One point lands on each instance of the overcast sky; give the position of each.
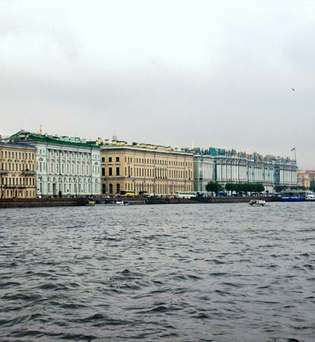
(174, 72)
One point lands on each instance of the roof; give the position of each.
(143, 149)
(52, 139)
(17, 145)
(233, 154)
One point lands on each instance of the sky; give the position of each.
(225, 73)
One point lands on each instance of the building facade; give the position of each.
(17, 171)
(204, 171)
(306, 179)
(137, 168)
(65, 166)
(225, 167)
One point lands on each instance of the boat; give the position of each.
(120, 203)
(292, 197)
(310, 197)
(91, 203)
(257, 203)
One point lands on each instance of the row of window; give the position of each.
(17, 181)
(69, 158)
(149, 188)
(17, 155)
(244, 174)
(149, 172)
(16, 193)
(110, 159)
(71, 180)
(148, 161)
(16, 166)
(78, 169)
(253, 166)
(70, 154)
(56, 189)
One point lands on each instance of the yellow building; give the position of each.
(138, 168)
(306, 178)
(17, 171)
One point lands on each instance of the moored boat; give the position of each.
(257, 203)
(121, 203)
(91, 203)
(292, 197)
(310, 197)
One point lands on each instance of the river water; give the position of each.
(200, 272)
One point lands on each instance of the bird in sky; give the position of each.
(293, 89)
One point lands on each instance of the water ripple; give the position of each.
(168, 272)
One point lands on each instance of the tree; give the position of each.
(213, 187)
(258, 187)
(229, 187)
(245, 187)
(238, 187)
(312, 185)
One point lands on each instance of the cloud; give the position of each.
(172, 73)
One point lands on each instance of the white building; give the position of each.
(65, 166)
(225, 167)
(204, 171)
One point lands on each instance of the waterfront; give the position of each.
(198, 272)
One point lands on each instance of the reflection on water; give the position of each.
(198, 272)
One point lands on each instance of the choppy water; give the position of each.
(158, 273)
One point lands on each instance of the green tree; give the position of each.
(229, 187)
(312, 185)
(258, 187)
(245, 187)
(213, 187)
(238, 187)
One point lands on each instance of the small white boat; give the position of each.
(91, 203)
(257, 203)
(119, 203)
(310, 197)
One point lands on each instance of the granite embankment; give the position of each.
(37, 202)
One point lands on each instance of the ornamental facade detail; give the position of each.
(132, 169)
(241, 168)
(17, 171)
(65, 167)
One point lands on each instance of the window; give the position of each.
(103, 160)
(110, 171)
(117, 159)
(117, 171)
(110, 159)
(103, 171)
(118, 188)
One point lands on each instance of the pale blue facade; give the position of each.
(237, 167)
(68, 171)
(65, 166)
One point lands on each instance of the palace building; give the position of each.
(230, 166)
(143, 168)
(306, 178)
(66, 166)
(17, 171)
